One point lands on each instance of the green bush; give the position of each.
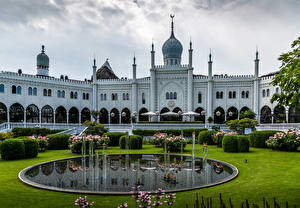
(94, 128)
(7, 135)
(243, 143)
(58, 141)
(206, 137)
(230, 143)
(135, 142)
(176, 132)
(258, 138)
(34, 131)
(114, 138)
(31, 148)
(200, 122)
(12, 149)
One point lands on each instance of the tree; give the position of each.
(288, 78)
(240, 125)
(95, 115)
(247, 114)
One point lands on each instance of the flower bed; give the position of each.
(75, 142)
(173, 143)
(218, 137)
(42, 141)
(289, 141)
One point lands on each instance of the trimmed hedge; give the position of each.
(58, 141)
(12, 149)
(235, 143)
(200, 122)
(31, 131)
(259, 138)
(206, 137)
(114, 138)
(135, 142)
(243, 143)
(31, 148)
(176, 132)
(7, 135)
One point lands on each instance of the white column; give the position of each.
(287, 115)
(67, 117)
(256, 91)
(153, 91)
(272, 114)
(79, 119)
(210, 90)
(8, 119)
(120, 117)
(190, 89)
(40, 117)
(24, 118)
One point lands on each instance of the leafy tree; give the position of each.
(247, 114)
(96, 115)
(94, 128)
(210, 119)
(240, 125)
(288, 78)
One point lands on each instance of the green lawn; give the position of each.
(268, 173)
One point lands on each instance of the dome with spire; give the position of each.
(106, 72)
(42, 60)
(172, 48)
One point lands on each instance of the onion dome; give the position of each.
(42, 60)
(172, 48)
(106, 72)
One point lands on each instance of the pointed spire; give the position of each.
(152, 46)
(210, 55)
(43, 49)
(94, 61)
(134, 59)
(191, 45)
(172, 25)
(256, 54)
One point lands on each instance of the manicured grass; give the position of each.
(268, 173)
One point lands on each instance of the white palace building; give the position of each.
(43, 99)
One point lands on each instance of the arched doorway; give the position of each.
(47, 114)
(85, 115)
(103, 116)
(3, 113)
(32, 114)
(219, 115)
(265, 115)
(294, 114)
(60, 115)
(279, 114)
(73, 115)
(16, 113)
(141, 117)
(243, 109)
(202, 114)
(232, 113)
(164, 118)
(125, 115)
(179, 117)
(114, 116)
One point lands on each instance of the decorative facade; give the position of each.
(173, 87)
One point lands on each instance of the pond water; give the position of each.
(118, 173)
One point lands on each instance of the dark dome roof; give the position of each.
(42, 60)
(106, 72)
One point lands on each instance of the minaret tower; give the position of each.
(190, 80)
(42, 63)
(209, 89)
(256, 101)
(95, 101)
(134, 91)
(153, 81)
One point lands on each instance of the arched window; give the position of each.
(29, 90)
(116, 96)
(83, 96)
(87, 96)
(143, 98)
(217, 95)
(124, 98)
(101, 96)
(19, 90)
(104, 96)
(45, 92)
(234, 94)
(277, 90)
(35, 91)
(175, 95)
(171, 95)
(49, 93)
(243, 94)
(199, 97)
(13, 89)
(58, 93)
(127, 96)
(175, 61)
(113, 96)
(230, 94)
(71, 95)
(221, 95)
(247, 94)
(1, 87)
(268, 92)
(171, 61)
(264, 93)
(167, 96)
(75, 95)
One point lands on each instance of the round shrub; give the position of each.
(230, 143)
(31, 148)
(206, 137)
(135, 142)
(12, 149)
(243, 143)
(259, 138)
(58, 141)
(114, 138)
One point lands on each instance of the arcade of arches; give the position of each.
(32, 114)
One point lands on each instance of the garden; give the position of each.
(267, 162)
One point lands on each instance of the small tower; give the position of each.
(152, 56)
(210, 66)
(42, 63)
(94, 71)
(134, 69)
(256, 61)
(191, 55)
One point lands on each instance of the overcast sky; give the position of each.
(74, 30)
